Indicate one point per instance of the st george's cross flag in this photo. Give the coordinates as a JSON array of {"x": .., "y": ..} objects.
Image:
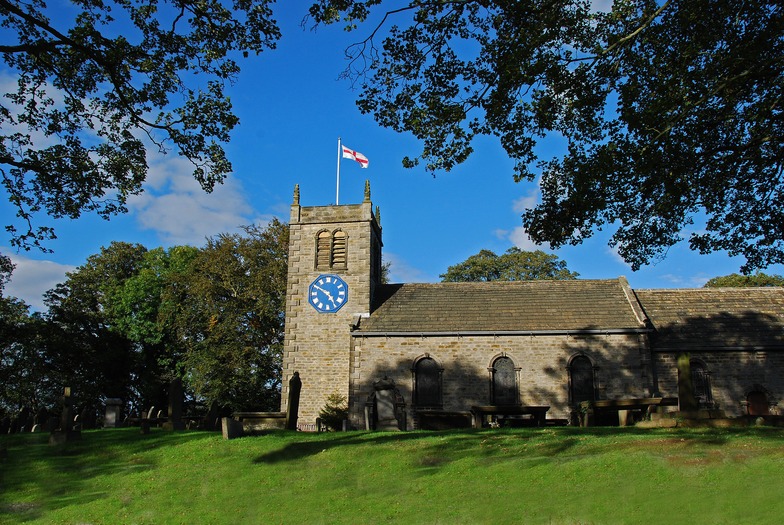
[{"x": 355, "y": 155}]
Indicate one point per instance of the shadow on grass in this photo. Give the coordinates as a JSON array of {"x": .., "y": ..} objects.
[
  {"x": 437, "y": 448},
  {"x": 54, "y": 476}
]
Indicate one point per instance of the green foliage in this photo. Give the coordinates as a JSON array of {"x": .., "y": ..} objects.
[
  {"x": 99, "y": 81},
  {"x": 669, "y": 110},
  {"x": 335, "y": 411},
  {"x": 86, "y": 350},
  {"x": 6, "y": 269},
  {"x": 231, "y": 317},
  {"x": 736, "y": 280},
  {"x": 130, "y": 320},
  {"x": 514, "y": 265}
]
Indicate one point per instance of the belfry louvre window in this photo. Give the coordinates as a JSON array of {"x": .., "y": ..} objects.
[
  {"x": 323, "y": 249},
  {"x": 331, "y": 250},
  {"x": 339, "y": 250}
]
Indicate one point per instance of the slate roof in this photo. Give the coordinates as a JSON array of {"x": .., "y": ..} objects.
[
  {"x": 715, "y": 318},
  {"x": 535, "y": 306}
]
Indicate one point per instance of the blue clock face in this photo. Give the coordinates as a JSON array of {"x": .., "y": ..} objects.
[{"x": 328, "y": 293}]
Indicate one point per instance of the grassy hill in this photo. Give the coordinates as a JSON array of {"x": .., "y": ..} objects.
[{"x": 555, "y": 476}]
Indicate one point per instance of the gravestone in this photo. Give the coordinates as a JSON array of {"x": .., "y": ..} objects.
[
  {"x": 87, "y": 417},
  {"x": 213, "y": 417},
  {"x": 385, "y": 403},
  {"x": 175, "y": 421},
  {"x": 65, "y": 432},
  {"x": 24, "y": 420},
  {"x": 42, "y": 420},
  {"x": 231, "y": 428},
  {"x": 687, "y": 402},
  {"x": 292, "y": 409},
  {"x": 113, "y": 410}
]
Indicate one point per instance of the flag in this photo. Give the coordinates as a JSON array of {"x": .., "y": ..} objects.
[{"x": 355, "y": 155}]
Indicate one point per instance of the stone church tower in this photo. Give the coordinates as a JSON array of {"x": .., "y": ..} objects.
[{"x": 334, "y": 269}]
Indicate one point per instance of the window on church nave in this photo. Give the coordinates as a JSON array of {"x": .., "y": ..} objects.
[
  {"x": 581, "y": 384},
  {"x": 504, "y": 385},
  {"x": 427, "y": 383}
]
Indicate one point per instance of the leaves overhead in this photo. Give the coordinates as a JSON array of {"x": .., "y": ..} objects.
[
  {"x": 97, "y": 81},
  {"x": 670, "y": 112}
]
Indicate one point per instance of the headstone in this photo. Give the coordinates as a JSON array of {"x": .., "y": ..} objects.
[
  {"x": 213, "y": 415},
  {"x": 175, "y": 406},
  {"x": 292, "y": 409},
  {"x": 87, "y": 417},
  {"x": 687, "y": 402},
  {"x": 231, "y": 428},
  {"x": 385, "y": 405},
  {"x": 65, "y": 432},
  {"x": 113, "y": 410},
  {"x": 42, "y": 419},
  {"x": 23, "y": 420}
]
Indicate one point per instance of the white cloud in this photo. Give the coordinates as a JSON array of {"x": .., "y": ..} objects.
[
  {"x": 527, "y": 201},
  {"x": 176, "y": 207},
  {"x": 31, "y": 278},
  {"x": 520, "y": 238}
]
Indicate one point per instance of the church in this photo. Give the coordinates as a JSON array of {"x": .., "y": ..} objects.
[{"x": 443, "y": 355}]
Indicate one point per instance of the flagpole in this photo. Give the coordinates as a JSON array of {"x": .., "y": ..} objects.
[{"x": 337, "y": 191}]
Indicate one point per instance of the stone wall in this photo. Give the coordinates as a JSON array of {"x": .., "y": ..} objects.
[
  {"x": 621, "y": 364},
  {"x": 733, "y": 375}
]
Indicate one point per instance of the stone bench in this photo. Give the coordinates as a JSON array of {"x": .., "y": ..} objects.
[
  {"x": 254, "y": 422},
  {"x": 435, "y": 419},
  {"x": 623, "y": 407},
  {"x": 538, "y": 413}
]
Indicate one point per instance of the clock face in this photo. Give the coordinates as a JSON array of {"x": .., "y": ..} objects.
[{"x": 328, "y": 293}]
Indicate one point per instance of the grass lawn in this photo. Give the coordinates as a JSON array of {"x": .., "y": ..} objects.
[{"x": 554, "y": 476}]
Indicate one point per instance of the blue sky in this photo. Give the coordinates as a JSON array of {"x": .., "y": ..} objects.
[{"x": 292, "y": 109}]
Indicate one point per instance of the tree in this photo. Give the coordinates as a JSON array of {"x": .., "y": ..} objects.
[
  {"x": 232, "y": 318},
  {"x": 670, "y": 111},
  {"x": 514, "y": 265},
  {"x": 6, "y": 269},
  {"x": 87, "y": 352},
  {"x": 736, "y": 280},
  {"x": 96, "y": 80}
]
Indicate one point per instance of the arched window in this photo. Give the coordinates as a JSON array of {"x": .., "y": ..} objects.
[
  {"x": 323, "y": 250},
  {"x": 700, "y": 381},
  {"x": 339, "y": 249},
  {"x": 581, "y": 383},
  {"x": 427, "y": 383},
  {"x": 504, "y": 382}
]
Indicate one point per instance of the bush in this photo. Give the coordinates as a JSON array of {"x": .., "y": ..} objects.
[{"x": 335, "y": 411}]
